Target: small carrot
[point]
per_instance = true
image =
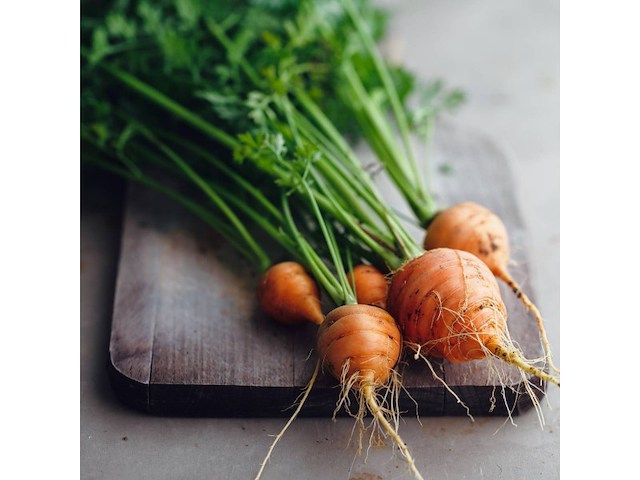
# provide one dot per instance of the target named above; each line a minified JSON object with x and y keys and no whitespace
{"x":448,"y":303}
{"x":370,"y":285}
{"x":473,"y":228}
{"x":289,"y":295}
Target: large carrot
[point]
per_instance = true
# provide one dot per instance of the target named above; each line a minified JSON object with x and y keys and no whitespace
{"x":473,"y":228}
{"x":447,"y":303}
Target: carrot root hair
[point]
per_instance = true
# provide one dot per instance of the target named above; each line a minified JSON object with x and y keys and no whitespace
{"x":418,"y":355}
{"x":501,"y":347}
{"x":493,"y":348}
{"x":301,"y":401}
{"x":382,"y":402}
{"x":385,"y":426}
{"x":503,"y":275}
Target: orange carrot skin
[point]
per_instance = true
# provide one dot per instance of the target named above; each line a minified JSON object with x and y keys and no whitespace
{"x":289,"y":295}
{"x":448,"y":302}
{"x":473,"y":228}
{"x":365,"y":336}
{"x":370,"y":284}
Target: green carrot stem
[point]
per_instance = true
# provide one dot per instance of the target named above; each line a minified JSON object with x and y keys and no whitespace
{"x":355,"y":175}
{"x":333,"y":134}
{"x":329,"y":204}
{"x":259,"y":219}
{"x":227,"y":231}
{"x":375,"y":128}
{"x":332,"y":174}
{"x":313,"y":262}
{"x":351,"y":179}
{"x":352,"y":202}
{"x":172,"y":106}
{"x":387,"y":158}
{"x":213,"y":196}
{"x":365,"y":189}
{"x":325,"y":124}
{"x":198,"y":122}
{"x":330,"y":240}
{"x":387,"y":81}
{"x":233,"y":175}
{"x":377,"y":120}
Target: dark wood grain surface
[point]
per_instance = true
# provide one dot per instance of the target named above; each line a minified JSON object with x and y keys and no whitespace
{"x":188,"y":337}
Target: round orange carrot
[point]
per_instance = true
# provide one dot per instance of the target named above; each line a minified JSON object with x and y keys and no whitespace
{"x":360,"y":346}
{"x":370,"y":285}
{"x":448,"y":303}
{"x":289,"y":295}
{"x":360,"y":340}
{"x":473,"y":228}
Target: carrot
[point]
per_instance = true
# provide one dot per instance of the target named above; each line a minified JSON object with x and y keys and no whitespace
{"x":360,"y":346}
{"x":359,"y":340}
{"x":370,"y":285}
{"x":289,"y":295}
{"x":473,"y":228}
{"x":448,"y":303}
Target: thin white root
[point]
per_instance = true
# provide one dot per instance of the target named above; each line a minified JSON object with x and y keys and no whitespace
{"x":417,"y":356}
{"x":496,"y":356}
{"x":305,"y":394}
{"x":536,"y":313}
{"x":368,"y":394}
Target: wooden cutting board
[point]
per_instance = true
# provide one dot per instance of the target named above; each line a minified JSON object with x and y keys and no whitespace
{"x":188,"y":338}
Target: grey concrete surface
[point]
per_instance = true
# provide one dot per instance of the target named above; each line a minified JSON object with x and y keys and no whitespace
{"x":505,"y":55}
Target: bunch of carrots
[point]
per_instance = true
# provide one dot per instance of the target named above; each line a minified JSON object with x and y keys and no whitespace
{"x":249,"y":122}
